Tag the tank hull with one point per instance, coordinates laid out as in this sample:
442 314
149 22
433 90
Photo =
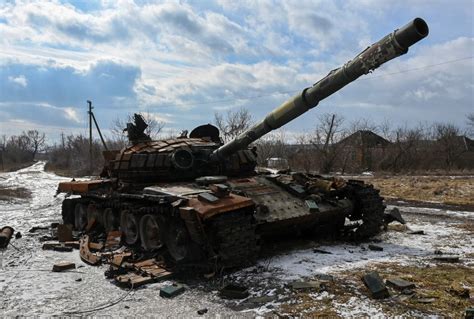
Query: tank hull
223 223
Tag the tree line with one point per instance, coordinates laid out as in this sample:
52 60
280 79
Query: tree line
330 146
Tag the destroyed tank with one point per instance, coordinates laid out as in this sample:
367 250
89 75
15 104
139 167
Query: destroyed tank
202 201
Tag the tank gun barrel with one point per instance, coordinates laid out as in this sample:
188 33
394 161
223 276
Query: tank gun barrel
391 46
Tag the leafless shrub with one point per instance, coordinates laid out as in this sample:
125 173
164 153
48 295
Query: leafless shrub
232 123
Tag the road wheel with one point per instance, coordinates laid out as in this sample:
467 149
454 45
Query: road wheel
129 223
178 242
67 211
80 216
111 220
94 213
151 231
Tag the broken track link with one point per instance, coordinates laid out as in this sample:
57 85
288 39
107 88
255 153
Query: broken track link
235 240
368 207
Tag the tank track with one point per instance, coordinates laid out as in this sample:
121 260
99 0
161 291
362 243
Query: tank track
368 207
235 241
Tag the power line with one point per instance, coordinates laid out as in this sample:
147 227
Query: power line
299 89
419 68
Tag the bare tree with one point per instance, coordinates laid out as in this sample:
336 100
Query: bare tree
304 157
154 128
385 128
405 150
232 123
36 141
470 123
326 135
451 144
363 124
272 145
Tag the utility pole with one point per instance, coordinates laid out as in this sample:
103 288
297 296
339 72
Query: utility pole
90 136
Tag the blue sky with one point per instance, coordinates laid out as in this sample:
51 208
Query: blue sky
181 61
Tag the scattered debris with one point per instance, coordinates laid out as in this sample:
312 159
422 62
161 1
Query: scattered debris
376 286
408 292
324 277
320 251
63 247
426 300
6 234
202 311
65 233
171 290
304 285
79 279
36 228
469 313
375 247
417 232
261 300
232 291
86 255
459 291
141 273
64 265
96 246
394 215
113 239
447 258
400 284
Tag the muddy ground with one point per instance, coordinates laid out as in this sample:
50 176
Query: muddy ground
28 287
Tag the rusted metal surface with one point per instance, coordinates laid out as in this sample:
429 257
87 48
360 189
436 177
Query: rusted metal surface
63 266
113 239
231 203
85 253
65 233
82 187
144 272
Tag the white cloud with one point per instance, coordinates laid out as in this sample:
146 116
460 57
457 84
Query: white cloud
200 57
71 113
19 80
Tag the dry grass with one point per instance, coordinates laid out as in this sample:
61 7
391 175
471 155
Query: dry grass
445 284
443 189
467 227
9 193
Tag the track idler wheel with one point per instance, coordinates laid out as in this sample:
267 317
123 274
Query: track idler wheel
151 230
111 220
129 223
80 216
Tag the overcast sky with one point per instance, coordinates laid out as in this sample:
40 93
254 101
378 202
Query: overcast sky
182 61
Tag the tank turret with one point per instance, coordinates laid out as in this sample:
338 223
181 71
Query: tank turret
388 48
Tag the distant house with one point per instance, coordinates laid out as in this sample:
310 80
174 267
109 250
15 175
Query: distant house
362 148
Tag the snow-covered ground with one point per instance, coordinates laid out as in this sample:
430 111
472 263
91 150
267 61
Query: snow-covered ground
28 287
